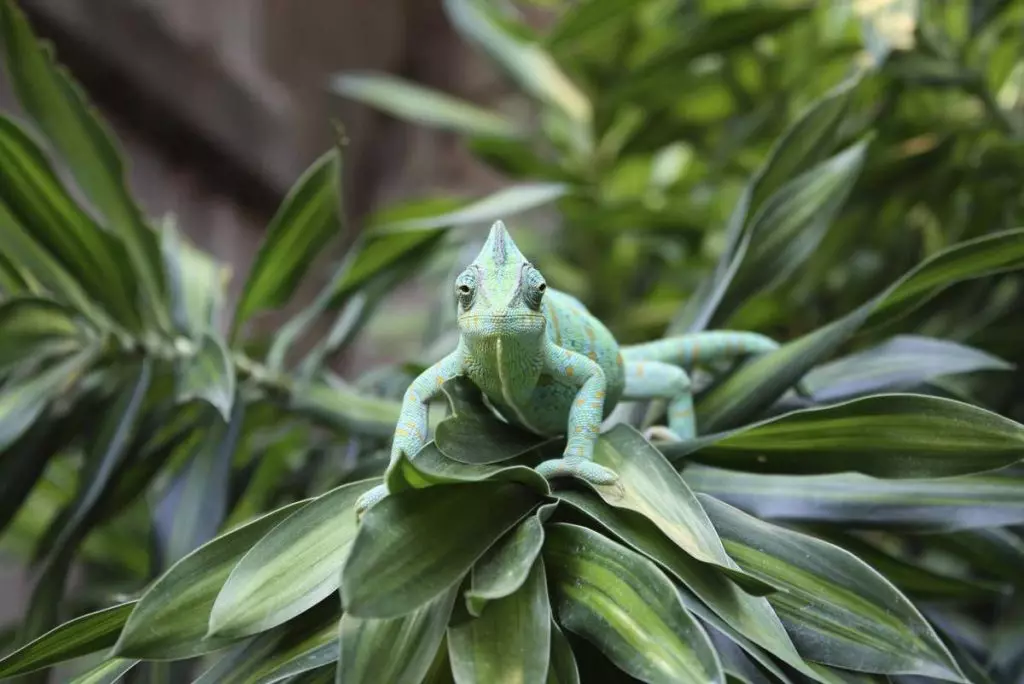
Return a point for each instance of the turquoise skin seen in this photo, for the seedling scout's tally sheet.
(549, 366)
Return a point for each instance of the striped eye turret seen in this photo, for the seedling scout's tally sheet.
(534, 288)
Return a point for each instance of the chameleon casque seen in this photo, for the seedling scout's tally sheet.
(546, 364)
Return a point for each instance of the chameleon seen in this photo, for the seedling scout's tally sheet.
(546, 364)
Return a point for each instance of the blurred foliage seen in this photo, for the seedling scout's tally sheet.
(843, 176)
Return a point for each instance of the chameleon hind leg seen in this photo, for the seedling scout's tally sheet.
(653, 370)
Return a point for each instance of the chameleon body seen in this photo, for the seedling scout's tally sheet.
(546, 364)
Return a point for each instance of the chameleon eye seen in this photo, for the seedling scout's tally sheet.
(542, 287)
(464, 289)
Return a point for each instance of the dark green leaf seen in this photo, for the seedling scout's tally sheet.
(650, 486)
(195, 283)
(838, 610)
(621, 602)
(510, 641)
(416, 544)
(562, 668)
(83, 635)
(884, 435)
(63, 113)
(292, 568)
(208, 374)
(898, 363)
(506, 565)
(423, 106)
(399, 649)
(97, 260)
(36, 328)
(759, 383)
(431, 468)
(22, 402)
(308, 219)
(106, 672)
(750, 616)
(500, 205)
(951, 503)
(171, 618)
(341, 406)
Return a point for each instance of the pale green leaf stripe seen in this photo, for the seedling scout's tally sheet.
(884, 435)
(511, 640)
(33, 328)
(63, 113)
(953, 503)
(417, 104)
(208, 374)
(292, 568)
(33, 193)
(530, 66)
(83, 635)
(838, 610)
(21, 404)
(751, 616)
(301, 655)
(499, 205)
(306, 222)
(649, 485)
(107, 672)
(171, 618)
(621, 602)
(400, 649)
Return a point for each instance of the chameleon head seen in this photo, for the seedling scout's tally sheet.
(500, 293)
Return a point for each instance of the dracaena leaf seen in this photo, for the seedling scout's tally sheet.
(83, 635)
(107, 672)
(431, 468)
(562, 667)
(61, 111)
(644, 629)
(398, 649)
(208, 374)
(37, 328)
(400, 559)
(510, 640)
(306, 222)
(292, 568)
(838, 610)
(195, 283)
(933, 504)
(34, 195)
(339, 405)
(171, 618)
(423, 106)
(883, 435)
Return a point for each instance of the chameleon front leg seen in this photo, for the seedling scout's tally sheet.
(411, 431)
(585, 416)
(657, 380)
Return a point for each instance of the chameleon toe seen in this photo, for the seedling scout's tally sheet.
(370, 498)
(580, 468)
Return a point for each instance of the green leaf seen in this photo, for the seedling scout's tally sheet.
(510, 641)
(208, 374)
(97, 260)
(532, 68)
(63, 113)
(416, 544)
(36, 328)
(750, 616)
(170, 620)
(107, 672)
(502, 204)
(759, 383)
(900, 362)
(621, 602)
(196, 283)
(431, 468)
(470, 433)
(650, 486)
(307, 220)
(399, 649)
(838, 610)
(951, 503)
(883, 435)
(70, 526)
(562, 668)
(505, 566)
(22, 402)
(424, 106)
(85, 634)
(195, 504)
(340, 406)
(292, 568)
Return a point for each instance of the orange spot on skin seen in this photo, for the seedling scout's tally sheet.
(599, 394)
(579, 402)
(592, 356)
(618, 359)
(639, 370)
(696, 350)
(595, 429)
(440, 381)
(570, 371)
(579, 428)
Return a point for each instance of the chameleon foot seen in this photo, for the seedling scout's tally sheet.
(369, 498)
(660, 433)
(578, 467)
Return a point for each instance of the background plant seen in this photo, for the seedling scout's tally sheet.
(210, 503)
